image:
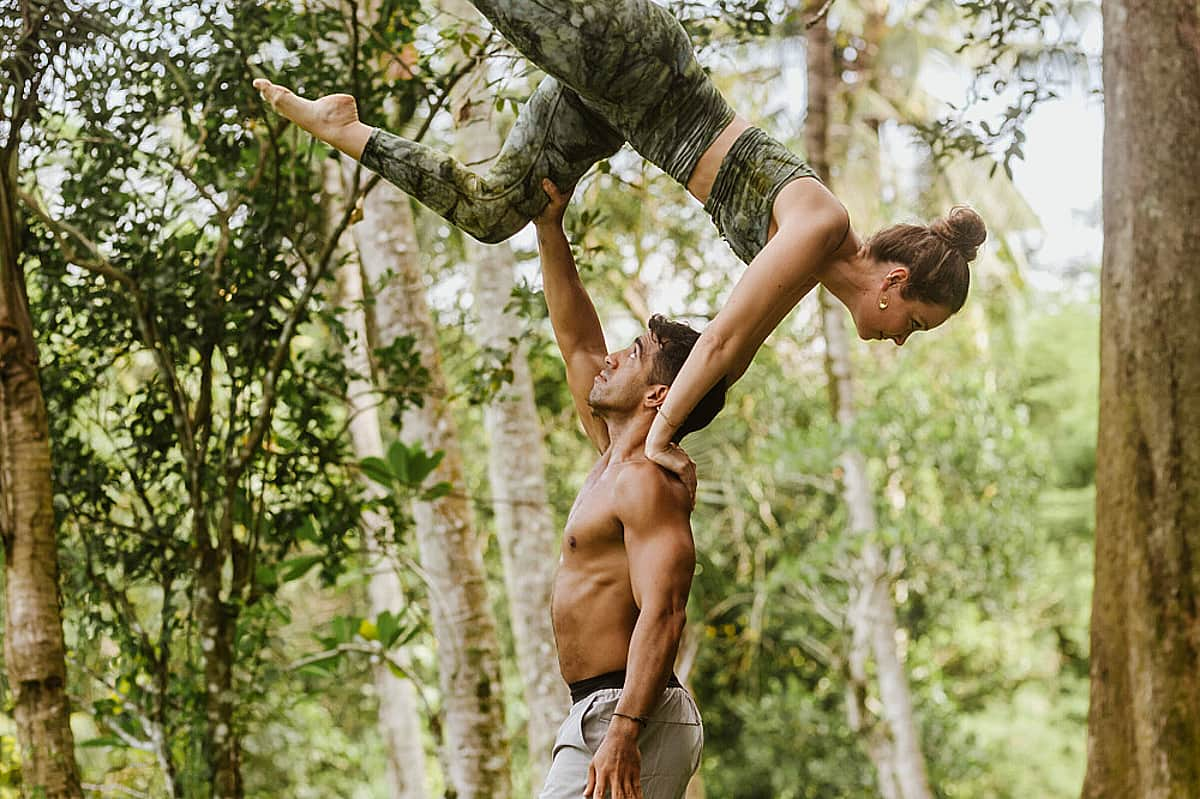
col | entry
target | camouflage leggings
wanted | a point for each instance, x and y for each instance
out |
(617, 70)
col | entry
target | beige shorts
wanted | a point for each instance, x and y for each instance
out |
(670, 745)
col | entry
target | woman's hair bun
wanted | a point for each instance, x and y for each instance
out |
(962, 229)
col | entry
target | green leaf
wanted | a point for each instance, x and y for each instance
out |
(422, 465)
(436, 492)
(346, 628)
(106, 740)
(295, 568)
(321, 668)
(409, 634)
(399, 457)
(266, 576)
(307, 531)
(389, 629)
(377, 469)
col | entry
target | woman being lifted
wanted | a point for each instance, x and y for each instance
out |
(624, 70)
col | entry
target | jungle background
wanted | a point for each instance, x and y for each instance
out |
(310, 447)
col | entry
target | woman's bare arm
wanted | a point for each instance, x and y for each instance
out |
(777, 279)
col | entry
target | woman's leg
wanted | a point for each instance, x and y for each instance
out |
(631, 62)
(605, 50)
(555, 136)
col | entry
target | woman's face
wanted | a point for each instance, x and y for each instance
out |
(901, 317)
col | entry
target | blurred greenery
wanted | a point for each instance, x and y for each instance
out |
(979, 437)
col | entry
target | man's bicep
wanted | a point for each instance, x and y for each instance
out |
(582, 368)
(662, 554)
(661, 567)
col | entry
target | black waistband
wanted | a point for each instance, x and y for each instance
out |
(582, 689)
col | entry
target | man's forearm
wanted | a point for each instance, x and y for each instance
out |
(572, 314)
(652, 650)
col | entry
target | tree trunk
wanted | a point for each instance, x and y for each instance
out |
(218, 625)
(476, 746)
(892, 742)
(399, 721)
(524, 523)
(1144, 721)
(34, 650)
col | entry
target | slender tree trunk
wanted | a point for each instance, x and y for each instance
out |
(524, 523)
(1144, 722)
(34, 651)
(399, 721)
(218, 625)
(893, 743)
(476, 746)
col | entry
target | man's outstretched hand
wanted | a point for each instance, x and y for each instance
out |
(552, 214)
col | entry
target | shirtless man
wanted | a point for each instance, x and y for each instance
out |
(627, 555)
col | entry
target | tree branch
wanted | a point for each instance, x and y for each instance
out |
(373, 649)
(65, 232)
(816, 18)
(99, 264)
(313, 277)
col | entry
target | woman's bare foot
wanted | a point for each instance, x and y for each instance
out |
(333, 119)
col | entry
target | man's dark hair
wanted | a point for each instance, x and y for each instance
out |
(675, 342)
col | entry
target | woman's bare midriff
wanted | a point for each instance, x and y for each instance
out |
(705, 172)
(704, 175)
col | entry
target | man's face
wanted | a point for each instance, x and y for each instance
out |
(622, 384)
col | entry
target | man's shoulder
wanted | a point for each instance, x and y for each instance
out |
(645, 487)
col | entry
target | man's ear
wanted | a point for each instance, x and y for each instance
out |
(656, 395)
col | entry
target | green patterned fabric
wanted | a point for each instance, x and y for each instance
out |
(743, 194)
(555, 136)
(619, 70)
(631, 62)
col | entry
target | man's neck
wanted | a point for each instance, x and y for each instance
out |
(627, 435)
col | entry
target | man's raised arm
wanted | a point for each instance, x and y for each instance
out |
(576, 325)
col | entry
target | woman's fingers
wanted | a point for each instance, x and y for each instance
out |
(691, 480)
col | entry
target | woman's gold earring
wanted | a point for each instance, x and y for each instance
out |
(882, 303)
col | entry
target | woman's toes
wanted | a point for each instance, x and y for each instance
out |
(270, 92)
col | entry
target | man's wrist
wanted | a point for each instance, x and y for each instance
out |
(624, 726)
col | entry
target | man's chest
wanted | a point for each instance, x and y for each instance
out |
(593, 525)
